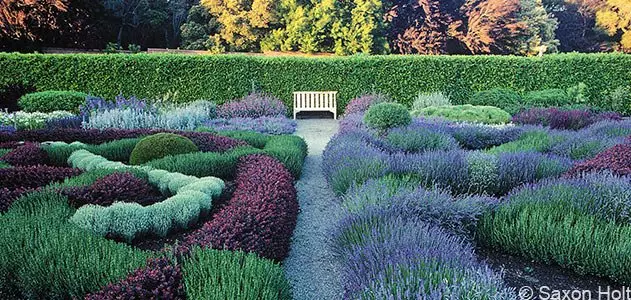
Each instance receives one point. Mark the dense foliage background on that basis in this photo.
(184, 78)
(523, 27)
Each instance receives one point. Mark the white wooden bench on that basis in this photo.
(315, 101)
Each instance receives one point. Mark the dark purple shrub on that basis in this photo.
(67, 122)
(254, 105)
(616, 159)
(261, 215)
(160, 279)
(208, 142)
(203, 140)
(34, 176)
(556, 118)
(10, 145)
(123, 187)
(7, 196)
(28, 154)
(363, 102)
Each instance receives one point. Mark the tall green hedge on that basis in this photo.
(224, 77)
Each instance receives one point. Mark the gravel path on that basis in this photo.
(310, 267)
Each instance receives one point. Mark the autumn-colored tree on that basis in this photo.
(540, 29)
(422, 26)
(577, 21)
(491, 26)
(243, 22)
(27, 19)
(614, 17)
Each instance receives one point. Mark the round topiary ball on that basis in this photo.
(160, 145)
(387, 115)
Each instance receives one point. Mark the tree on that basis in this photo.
(540, 29)
(614, 17)
(199, 26)
(359, 28)
(422, 26)
(577, 22)
(28, 19)
(491, 26)
(243, 22)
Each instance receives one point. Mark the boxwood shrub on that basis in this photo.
(160, 145)
(49, 101)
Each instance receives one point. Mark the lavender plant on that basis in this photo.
(254, 105)
(269, 125)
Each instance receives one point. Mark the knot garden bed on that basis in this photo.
(57, 244)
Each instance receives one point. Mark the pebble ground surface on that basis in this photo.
(311, 267)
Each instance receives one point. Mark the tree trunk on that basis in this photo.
(119, 39)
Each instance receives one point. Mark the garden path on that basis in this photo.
(311, 267)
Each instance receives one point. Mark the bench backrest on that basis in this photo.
(315, 100)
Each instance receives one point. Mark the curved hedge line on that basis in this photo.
(224, 77)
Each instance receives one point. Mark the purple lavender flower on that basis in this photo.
(270, 125)
(254, 105)
(363, 102)
(7, 129)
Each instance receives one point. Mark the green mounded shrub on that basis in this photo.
(160, 145)
(219, 274)
(62, 261)
(387, 115)
(290, 150)
(504, 98)
(548, 98)
(620, 100)
(223, 77)
(539, 141)
(467, 113)
(50, 101)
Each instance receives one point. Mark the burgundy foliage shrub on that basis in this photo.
(261, 215)
(362, 103)
(204, 140)
(160, 279)
(556, 118)
(7, 196)
(617, 159)
(10, 144)
(28, 154)
(123, 187)
(34, 176)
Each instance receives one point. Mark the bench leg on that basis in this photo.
(334, 115)
(295, 112)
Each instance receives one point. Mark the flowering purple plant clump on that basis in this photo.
(474, 137)
(7, 128)
(67, 122)
(98, 104)
(616, 159)
(27, 154)
(260, 217)
(160, 279)
(34, 176)
(556, 118)
(387, 256)
(254, 105)
(362, 103)
(269, 125)
(116, 187)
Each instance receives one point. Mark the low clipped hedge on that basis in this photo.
(49, 101)
(466, 113)
(191, 198)
(224, 77)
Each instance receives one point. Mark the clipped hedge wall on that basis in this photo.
(224, 77)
